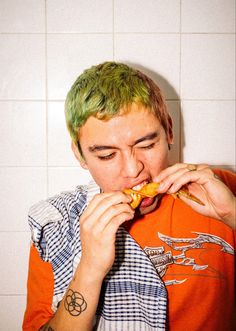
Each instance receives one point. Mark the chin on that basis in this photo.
(148, 209)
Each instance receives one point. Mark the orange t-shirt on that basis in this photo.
(195, 257)
(192, 253)
(40, 287)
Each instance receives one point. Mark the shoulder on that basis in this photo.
(54, 222)
(54, 209)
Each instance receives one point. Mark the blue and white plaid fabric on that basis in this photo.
(133, 297)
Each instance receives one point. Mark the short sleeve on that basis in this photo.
(40, 286)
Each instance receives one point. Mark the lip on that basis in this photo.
(148, 209)
(145, 180)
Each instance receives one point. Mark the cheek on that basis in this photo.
(104, 175)
(157, 161)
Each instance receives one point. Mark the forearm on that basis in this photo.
(98, 226)
(78, 307)
(230, 218)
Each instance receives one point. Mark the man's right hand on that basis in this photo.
(98, 226)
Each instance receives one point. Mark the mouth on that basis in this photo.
(140, 200)
(139, 186)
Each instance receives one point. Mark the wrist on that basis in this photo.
(230, 217)
(89, 274)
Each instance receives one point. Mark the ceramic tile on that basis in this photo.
(59, 141)
(12, 321)
(79, 16)
(209, 132)
(20, 188)
(156, 55)
(22, 16)
(23, 133)
(70, 55)
(14, 254)
(66, 179)
(208, 67)
(147, 16)
(208, 16)
(22, 59)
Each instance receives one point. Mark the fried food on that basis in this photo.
(150, 190)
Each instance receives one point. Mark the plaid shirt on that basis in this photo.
(133, 297)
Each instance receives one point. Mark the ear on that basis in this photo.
(78, 155)
(170, 136)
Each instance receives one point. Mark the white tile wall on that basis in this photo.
(59, 142)
(157, 53)
(68, 56)
(14, 250)
(208, 66)
(187, 46)
(66, 178)
(147, 16)
(209, 132)
(22, 16)
(12, 321)
(22, 59)
(23, 133)
(80, 16)
(215, 16)
(24, 185)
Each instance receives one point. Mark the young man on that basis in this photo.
(168, 264)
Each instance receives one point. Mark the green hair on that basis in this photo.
(103, 90)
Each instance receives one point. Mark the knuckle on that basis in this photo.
(96, 197)
(84, 227)
(113, 209)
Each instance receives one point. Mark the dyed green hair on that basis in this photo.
(103, 90)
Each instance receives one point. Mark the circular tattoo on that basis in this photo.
(74, 303)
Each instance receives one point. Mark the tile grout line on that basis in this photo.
(46, 96)
(117, 32)
(180, 81)
(113, 29)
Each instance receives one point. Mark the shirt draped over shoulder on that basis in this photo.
(132, 285)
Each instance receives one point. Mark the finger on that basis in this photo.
(102, 201)
(168, 171)
(166, 184)
(116, 222)
(95, 201)
(111, 213)
(200, 177)
(171, 173)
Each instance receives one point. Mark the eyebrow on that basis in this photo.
(149, 136)
(96, 148)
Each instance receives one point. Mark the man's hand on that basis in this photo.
(98, 226)
(219, 201)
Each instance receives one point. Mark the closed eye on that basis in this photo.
(106, 157)
(150, 146)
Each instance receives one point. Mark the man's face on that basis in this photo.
(126, 151)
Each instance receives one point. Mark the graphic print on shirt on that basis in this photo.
(162, 259)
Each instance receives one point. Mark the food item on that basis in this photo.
(150, 190)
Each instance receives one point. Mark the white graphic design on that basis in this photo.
(161, 259)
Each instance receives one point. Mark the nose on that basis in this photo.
(132, 166)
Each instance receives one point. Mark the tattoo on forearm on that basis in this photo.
(74, 303)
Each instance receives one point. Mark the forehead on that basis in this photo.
(125, 128)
